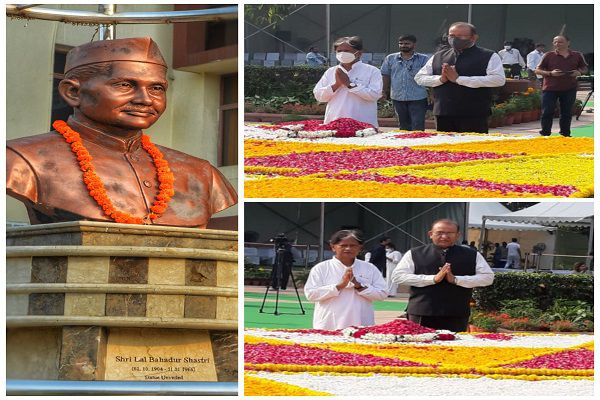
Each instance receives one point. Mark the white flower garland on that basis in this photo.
(366, 132)
(464, 339)
(386, 385)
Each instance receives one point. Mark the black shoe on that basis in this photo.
(545, 133)
(565, 134)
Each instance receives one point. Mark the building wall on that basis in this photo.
(300, 221)
(527, 239)
(190, 123)
(380, 25)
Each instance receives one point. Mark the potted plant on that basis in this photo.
(521, 107)
(577, 107)
(509, 113)
(535, 100)
(497, 117)
(482, 322)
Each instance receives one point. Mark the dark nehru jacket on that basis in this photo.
(451, 99)
(444, 298)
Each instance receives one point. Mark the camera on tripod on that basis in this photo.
(282, 263)
(282, 271)
(280, 241)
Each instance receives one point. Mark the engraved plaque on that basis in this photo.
(149, 354)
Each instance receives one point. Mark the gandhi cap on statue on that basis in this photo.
(130, 49)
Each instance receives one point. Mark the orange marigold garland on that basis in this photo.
(96, 187)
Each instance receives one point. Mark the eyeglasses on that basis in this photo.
(439, 234)
(459, 37)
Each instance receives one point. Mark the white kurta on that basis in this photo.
(338, 309)
(359, 103)
(392, 259)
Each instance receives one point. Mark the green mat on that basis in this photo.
(583, 131)
(290, 314)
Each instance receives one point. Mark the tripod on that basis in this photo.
(277, 281)
(589, 95)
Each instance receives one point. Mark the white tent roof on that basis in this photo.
(478, 210)
(555, 213)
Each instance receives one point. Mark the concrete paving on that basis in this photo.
(381, 316)
(533, 128)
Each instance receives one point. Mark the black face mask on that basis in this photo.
(459, 44)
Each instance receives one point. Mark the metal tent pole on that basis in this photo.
(146, 17)
(482, 233)
(322, 232)
(107, 31)
(328, 33)
(590, 244)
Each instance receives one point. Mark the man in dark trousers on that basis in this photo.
(462, 76)
(560, 69)
(441, 276)
(378, 255)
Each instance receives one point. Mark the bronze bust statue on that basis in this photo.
(117, 88)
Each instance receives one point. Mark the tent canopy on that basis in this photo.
(553, 214)
(478, 210)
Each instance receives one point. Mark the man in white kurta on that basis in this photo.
(393, 257)
(358, 101)
(339, 309)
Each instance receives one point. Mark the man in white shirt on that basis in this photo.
(314, 59)
(462, 76)
(513, 259)
(351, 89)
(344, 287)
(534, 58)
(441, 276)
(512, 59)
(393, 257)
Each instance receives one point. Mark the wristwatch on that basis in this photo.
(351, 85)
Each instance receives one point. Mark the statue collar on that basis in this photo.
(110, 142)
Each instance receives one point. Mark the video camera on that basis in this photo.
(280, 241)
(283, 261)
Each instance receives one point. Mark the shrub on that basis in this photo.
(282, 82)
(518, 308)
(542, 288)
(385, 109)
(484, 321)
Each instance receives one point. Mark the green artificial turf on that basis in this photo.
(583, 131)
(290, 316)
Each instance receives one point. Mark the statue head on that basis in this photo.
(116, 86)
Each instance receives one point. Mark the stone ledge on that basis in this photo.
(120, 251)
(119, 288)
(104, 227)
(128, 322)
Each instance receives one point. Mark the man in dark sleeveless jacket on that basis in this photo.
(441, 276)
(462, 76)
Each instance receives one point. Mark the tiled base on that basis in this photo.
(142, 296)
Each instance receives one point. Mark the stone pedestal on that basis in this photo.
(105, 301)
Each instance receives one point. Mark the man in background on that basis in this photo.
(409, 98)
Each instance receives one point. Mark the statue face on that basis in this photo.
(134, 96)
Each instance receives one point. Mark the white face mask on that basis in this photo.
(345, 57)
(507, 47)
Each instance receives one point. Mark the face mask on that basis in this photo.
(388, 250)
(507, 47)
(345, 57)
(459, 44)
